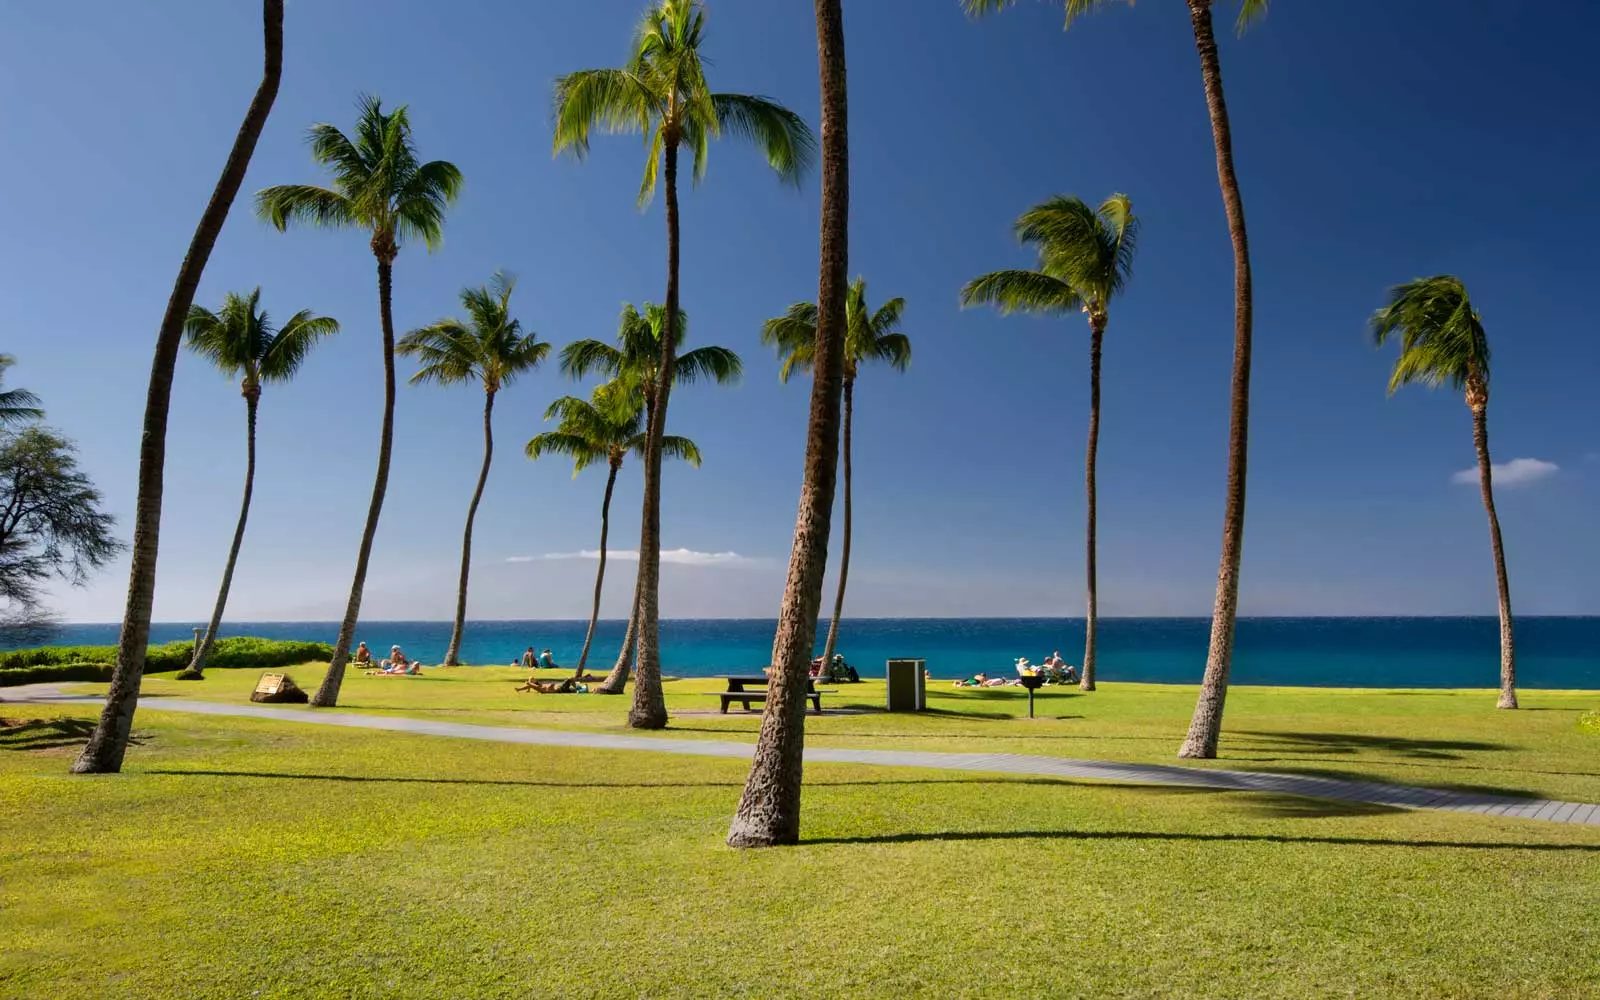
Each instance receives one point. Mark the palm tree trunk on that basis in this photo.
(1097, 332)
(109, 741)
(1206, 726)
(617, 681)
(649, 709)
(769, 808)
(600, 573)
(252, 398)
(1508, 655)
(844, 541)
(453, 654)
(327, 695)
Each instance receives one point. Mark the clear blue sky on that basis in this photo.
(1413, 139)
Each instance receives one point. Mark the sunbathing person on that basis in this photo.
(568, 686)
(363, 655)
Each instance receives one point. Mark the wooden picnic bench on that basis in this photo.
(738, 690)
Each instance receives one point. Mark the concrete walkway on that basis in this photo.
(1375, 793)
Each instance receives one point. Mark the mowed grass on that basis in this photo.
(245, 858)
(1442, 739)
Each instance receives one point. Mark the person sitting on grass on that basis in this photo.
(396, 658)
(528, 658)
(363, 655)
(548, 662)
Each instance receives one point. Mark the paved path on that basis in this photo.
(1376, 793)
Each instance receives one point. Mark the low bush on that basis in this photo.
(235, 651)
(48, 672)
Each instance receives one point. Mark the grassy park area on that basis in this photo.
(277, 859)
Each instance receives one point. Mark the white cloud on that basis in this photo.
(1517, 472)
(683, 557)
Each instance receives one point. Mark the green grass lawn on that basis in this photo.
(1444, 739)
(245, 858)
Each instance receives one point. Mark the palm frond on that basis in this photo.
(447, 351)
(574, 446)
(419, 205)
(332, 148)
(611, 100)
(286, 351)
(894, 348)
(17, 405)
(307, 204)
(782, 135)
(1442, 340)
(718, 364)
(583, 357)
(681, 448)
(1021, 291)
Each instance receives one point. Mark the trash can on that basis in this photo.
(907, 685)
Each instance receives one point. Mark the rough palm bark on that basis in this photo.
(649, 708)
(1206, 726)
(600, 572)
(453, 654)
(1097, 333)
(327, 696)
(769, 808)
(1478, 400)
(109, 741)
(194, 672)
(844, 539)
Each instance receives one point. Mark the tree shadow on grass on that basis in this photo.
(49, 734)
(1354, 743)
(957, 836)
(1363, 777)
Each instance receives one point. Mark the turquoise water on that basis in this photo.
(1340, 652)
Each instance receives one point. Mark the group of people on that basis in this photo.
(834, 672)
(1054, 668)
(541, 661)
(397, 663)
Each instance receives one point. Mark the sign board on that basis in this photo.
(269, 684)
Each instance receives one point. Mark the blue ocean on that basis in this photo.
(1338, 652)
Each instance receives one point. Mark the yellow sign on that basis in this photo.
(269, 684)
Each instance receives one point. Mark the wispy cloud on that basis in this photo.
(683, 557)
(1517, 472)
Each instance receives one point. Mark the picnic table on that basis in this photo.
(739, 690)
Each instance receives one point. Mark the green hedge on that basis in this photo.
(237, 651)
(47, 672)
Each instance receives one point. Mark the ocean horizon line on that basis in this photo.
(862, 618)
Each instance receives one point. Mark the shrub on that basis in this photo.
(47, 672)
(235, 651)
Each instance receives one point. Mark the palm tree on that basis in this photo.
(662, 93)
(491, 350)
(869, 336)
(1085, 259)
(109, 741)
(769, 807)
(378, 187)
(604, 430)
(1442, 342)
(634, 365)
(17, 406)
(1206, 726)
(241, 341)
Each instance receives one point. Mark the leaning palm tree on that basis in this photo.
(605, 430)
(381, 188)
(488, 349)
(240, 341)
(869, 336)
(17, 406)
(1085, 259)
(769, 807)
(104, 751)
(1206, 726)
(633, 365)
(662, 93)
(1442, 342)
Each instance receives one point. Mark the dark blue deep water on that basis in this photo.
(1347, 652)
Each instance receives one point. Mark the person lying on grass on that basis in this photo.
(568, 686)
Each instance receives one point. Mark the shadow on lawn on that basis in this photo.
(1372, 779)
(1264, 838)
(1354, 743)
(49, 734)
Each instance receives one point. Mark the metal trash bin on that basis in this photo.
(907, 685)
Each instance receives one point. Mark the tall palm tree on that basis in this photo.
(381, 188)
(1085, 259)
(488, 349)
(17, 406)
(1442, 342)
(604, 430)
(769, 807)
(662, 93)
(633, 364)
(241, 342)
(869, 336)
(1206, 726)
(109, 741)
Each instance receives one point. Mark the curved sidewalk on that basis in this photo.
(1373, 792)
